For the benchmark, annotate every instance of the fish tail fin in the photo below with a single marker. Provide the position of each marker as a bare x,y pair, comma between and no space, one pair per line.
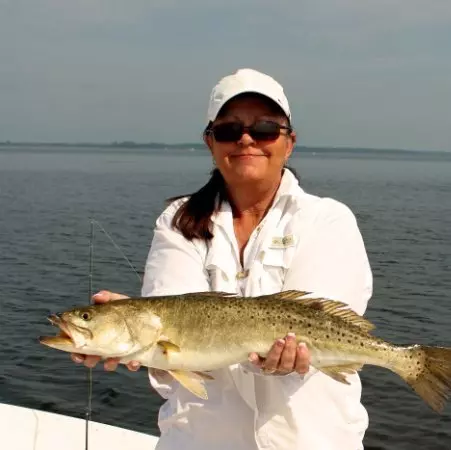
428,372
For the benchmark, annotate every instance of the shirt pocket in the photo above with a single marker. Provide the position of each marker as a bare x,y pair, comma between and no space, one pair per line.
275,264
218,271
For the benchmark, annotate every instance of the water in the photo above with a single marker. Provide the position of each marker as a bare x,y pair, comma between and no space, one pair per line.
47,196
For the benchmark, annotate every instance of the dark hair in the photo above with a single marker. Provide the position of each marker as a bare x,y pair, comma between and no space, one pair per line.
193,218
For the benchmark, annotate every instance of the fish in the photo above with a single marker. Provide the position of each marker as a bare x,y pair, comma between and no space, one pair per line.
192,335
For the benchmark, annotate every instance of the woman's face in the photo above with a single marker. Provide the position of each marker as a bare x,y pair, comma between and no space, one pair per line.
248,158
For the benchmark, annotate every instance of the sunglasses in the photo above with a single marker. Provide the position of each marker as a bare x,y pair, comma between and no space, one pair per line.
263,130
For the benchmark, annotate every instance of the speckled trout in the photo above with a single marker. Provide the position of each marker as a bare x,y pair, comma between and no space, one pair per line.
192,334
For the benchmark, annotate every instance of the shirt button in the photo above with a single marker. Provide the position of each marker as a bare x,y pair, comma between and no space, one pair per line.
242,274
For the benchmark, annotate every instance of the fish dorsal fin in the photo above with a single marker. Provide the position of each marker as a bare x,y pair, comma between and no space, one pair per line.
339,309
212,294
286,295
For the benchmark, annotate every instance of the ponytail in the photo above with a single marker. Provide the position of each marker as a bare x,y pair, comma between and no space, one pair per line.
193,218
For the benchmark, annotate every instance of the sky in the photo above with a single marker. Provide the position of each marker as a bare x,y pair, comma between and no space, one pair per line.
357,73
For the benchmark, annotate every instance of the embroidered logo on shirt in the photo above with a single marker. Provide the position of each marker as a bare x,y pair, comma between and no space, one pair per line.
282,242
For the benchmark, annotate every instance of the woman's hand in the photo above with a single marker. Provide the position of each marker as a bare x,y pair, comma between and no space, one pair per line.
110,363
285,356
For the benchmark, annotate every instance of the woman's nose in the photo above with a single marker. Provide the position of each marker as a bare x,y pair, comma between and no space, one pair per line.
246,139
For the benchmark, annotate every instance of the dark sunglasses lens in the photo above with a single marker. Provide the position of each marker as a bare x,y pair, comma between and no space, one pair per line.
260,131
228,132
265,131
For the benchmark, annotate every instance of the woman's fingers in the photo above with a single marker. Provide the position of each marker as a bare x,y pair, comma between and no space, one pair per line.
88,360
77,358
91,361
285,356
288,357
111,364
133,366
107,296
302,359
272,360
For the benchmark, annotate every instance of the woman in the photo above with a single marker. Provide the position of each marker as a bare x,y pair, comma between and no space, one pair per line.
252,230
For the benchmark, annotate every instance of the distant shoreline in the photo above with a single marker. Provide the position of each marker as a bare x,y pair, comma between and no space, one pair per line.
200,146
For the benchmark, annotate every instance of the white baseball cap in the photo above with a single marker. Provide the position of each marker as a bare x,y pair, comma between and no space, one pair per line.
242,81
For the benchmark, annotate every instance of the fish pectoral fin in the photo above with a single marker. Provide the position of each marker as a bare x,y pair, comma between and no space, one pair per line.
338,372
204,375
191,381
168,346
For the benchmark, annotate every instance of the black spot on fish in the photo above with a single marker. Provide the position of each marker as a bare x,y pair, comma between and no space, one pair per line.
316,306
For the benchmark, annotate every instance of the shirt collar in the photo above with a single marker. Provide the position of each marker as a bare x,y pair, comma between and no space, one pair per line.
289,186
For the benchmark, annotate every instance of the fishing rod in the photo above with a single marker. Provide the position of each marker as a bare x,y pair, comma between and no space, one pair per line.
93,222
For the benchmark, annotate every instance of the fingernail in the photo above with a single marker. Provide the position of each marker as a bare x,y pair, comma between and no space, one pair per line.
135,365
280,342
77,359
302,345
98,294
291,335
252,358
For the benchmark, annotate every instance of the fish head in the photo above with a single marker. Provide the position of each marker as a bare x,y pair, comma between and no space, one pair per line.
100,329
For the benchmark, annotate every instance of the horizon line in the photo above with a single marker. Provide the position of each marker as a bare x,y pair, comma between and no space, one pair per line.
198,145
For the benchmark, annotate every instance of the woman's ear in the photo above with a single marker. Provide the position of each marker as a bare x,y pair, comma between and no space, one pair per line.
208,141
291,142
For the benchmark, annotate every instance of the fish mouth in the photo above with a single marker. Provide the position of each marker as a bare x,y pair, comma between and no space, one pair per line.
56,320
67,332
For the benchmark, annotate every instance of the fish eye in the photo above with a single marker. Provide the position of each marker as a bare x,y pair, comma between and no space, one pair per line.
86,316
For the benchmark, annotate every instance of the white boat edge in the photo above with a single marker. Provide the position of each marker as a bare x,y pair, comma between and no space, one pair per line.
24,428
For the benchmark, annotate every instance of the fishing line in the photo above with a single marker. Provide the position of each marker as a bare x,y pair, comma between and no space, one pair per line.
90,278
89,406
118,248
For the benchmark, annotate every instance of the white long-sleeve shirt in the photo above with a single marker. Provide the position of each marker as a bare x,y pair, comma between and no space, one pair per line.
306,243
